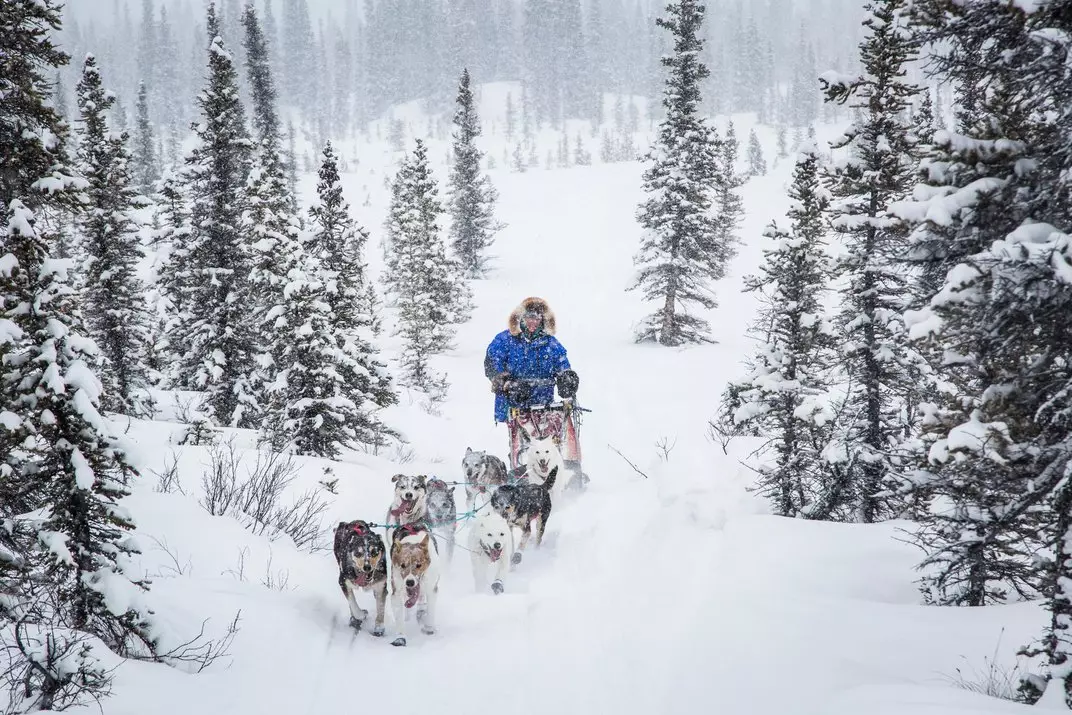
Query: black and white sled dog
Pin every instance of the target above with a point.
(542, 458)
(442, 515)
(362, 561)
(415, 572)
(522, 504)
(411, 500)
(483, 474)
(491, 545)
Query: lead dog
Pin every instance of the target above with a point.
(414, 579)
(411, 500)
(491, 543)
(483, 474)
(362, 560)
(523, 503)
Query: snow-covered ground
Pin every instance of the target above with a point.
(672, 592)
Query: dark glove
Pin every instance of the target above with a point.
(499, 381)
(517, 391)
(567, 382)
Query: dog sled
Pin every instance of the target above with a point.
(560, 420)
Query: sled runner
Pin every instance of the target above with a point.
(560, 420)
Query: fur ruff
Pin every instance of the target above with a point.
(549, 323)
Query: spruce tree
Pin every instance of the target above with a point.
(973, 453)
(146, 159)
(682, 251)
(880, 366)
(728, 203)
(62, 570)
(757, 165)
(472, 197)
(113, 295)
(429, 294)
(173, 280)
(785, 397)
(215, 323)
(329, 382)
(270, 226)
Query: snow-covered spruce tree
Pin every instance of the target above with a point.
(113, 296)
(682, 252)
(172, 280)
(52, 397)
(215, 323)
(339, 244)
(874, 171)
(728, 203)
(268, 223)
(784, 398)
(471, 195)
(426, 282)
(328, 383)
(146, 159)
(757, 165)
(970, 455)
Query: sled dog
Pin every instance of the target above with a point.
(491, 543)
(411, 500)
(523, 503)
(414, 579)
(541, 459)
(442, 515)
(362, 561)
(483, 473)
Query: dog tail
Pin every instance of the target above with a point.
(550, 481)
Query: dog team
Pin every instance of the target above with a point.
(420, 531)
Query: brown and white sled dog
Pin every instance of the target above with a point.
(491, 543)
(411, 500)
(362, 561)
(483, 474)
(543, 458)
(415, 571)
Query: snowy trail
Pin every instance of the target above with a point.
(656, 595)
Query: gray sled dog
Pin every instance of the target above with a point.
(484, 473)
(442, 515)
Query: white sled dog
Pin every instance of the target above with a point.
(415, 570)
(541, 459)
(411, 500)
(491, 543)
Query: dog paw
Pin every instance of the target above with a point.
(516, 558)
(428, 630)
(355, 623)
(400, 641)
(497, 587)
(420, 614)
(378, 631)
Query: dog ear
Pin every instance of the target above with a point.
(468, 450)
(396, 477)
(422, 480)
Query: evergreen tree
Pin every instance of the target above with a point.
(785, 397)
(215, 321)
(682, 251)
(990, 432)
(173, 281)
(330, 382)
(146, 159)
(881, 367)
(472, 197)
(429, 294)
(728, 201)
(757, 165)
(62, 571)
(113, 294)
(269, 224)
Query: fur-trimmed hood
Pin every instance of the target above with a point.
(540, 304)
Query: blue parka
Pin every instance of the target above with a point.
(537, 356)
